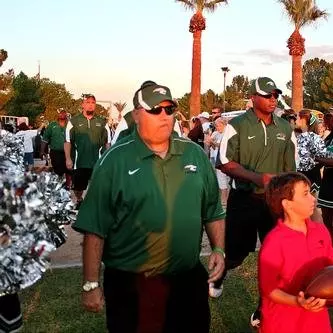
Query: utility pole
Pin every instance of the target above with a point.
(225, 70)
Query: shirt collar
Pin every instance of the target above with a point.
(309, 225)
(253, 117)
(144, 151)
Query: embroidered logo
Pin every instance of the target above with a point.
(132, 172)
(190, 168)
(281, 136)
(251, 137)
(162, 91)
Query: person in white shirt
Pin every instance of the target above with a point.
(27, 135)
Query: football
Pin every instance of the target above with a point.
(321, 286)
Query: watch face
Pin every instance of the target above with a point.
(87, 286)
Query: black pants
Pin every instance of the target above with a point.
(161, 304)
(58, 162)
(10, 313)
(247, 217)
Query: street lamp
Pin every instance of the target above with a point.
(225, 70)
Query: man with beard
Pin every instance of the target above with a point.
(86, 136)
(255, 146)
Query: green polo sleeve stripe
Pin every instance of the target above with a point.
(68, 131)
(229, 148)
(47, 134)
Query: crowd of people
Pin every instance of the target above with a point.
(156, 182)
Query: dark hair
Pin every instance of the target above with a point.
(283, 187)
(328, 121)
(196, 121)
(23, 127)
(308, 116)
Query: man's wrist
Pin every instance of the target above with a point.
(218, 249)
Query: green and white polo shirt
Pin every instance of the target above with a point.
(54, 135)
(88, 138)
(258, 147)
(149, 210)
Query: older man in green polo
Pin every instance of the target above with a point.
(150, 197)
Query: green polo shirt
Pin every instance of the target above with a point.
(88, 137)
(54, 135)
(258, 147)
(149, 210)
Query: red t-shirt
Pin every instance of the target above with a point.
(288, 260)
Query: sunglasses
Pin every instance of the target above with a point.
(169, 110)
(274, 94)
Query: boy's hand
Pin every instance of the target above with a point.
(312, 303)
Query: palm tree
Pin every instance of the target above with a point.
(120, 107)
(3, 56)
(197, 24)
(300, 13)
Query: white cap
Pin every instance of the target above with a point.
(204, 115)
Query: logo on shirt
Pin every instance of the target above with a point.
(190, 168)
(81, 125)
(281, 136)
(251, 137)
(132, 172)
(98, 124)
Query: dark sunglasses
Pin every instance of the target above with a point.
(169, 110)
(274, 94)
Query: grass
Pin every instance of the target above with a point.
(53, 304)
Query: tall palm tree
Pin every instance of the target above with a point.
(120, 107)
(3, 56)
(197, 24)
(300, 13)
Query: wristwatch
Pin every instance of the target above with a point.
(90, 285)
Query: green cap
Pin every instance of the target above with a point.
(151, 94)
(263, 86)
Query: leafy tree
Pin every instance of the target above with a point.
(3, 56)
(6, 89)
(237, 93)
(209, 100)
(197, 25)
(327, 87)
(184, 105)
(55, 96)
(26, 100)
(300, 13)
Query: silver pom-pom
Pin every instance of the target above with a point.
(33, 211)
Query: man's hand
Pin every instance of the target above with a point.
(216, 266)
(69, 163)
(263, 179)
(93, 301)
(312, 304)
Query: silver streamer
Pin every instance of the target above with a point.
(33, 211)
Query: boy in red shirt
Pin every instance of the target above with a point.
(292, 253)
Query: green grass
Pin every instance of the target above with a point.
(53, 304)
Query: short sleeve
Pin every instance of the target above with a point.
(269, 264)
(47, 134)
(229, 147)
(290, 154)
(95, 214)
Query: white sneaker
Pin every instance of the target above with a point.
(215, 292)
(255, 319)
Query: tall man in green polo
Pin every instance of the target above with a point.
(255, 146)
(86, 136)
(150, 196)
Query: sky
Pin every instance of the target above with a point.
(109, 47)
